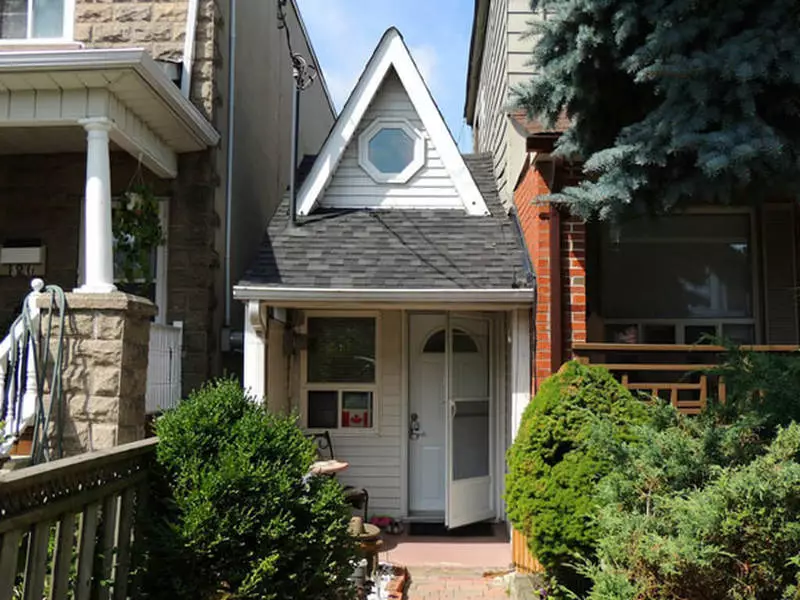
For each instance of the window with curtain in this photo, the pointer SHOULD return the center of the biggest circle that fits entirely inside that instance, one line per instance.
(677, 279)
(340, 377)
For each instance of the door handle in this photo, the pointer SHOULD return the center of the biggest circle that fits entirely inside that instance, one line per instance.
(414, 430)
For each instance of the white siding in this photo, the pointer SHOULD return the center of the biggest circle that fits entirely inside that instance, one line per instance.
(352, 187)
(375, 459)
(491, 123)
(504, 66)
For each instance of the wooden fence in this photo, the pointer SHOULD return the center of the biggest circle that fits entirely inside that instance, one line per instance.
(524, 561)
(67, 526)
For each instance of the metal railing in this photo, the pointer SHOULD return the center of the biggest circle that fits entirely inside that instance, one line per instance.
(164, 367)
(67, 526)
(31, 361)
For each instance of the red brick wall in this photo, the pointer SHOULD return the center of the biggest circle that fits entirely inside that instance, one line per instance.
(556, 243)
(573, 257)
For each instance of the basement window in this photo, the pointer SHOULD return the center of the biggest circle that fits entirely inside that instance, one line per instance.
(36, 19)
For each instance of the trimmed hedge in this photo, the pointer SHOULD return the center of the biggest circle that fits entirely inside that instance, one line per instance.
(235, 514)
(554, 470)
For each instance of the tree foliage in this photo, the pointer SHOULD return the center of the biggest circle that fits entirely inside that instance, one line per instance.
(671, 101)
(234, 512)
(553, 471)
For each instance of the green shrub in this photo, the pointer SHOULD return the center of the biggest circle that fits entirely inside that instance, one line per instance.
(553, 467)
(684, 514)
(764, 385)
(235, 513)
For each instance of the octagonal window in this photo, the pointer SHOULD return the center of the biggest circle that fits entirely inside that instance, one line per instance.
(391, 150)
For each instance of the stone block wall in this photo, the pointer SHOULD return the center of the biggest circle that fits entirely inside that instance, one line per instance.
(104, 378)
(159, 26)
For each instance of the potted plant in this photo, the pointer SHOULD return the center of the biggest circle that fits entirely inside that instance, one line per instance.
(137, 233)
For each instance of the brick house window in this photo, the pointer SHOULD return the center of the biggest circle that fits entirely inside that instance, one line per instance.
(36, 19)
(678, 278)
(340, 376)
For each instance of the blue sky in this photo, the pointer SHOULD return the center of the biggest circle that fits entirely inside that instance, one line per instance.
(345, 32)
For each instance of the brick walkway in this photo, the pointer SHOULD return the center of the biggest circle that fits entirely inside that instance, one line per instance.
(432, 583)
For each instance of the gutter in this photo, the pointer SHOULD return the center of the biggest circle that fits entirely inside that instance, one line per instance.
(450, 296)
(188, 48)
(229, 165)
(136, 59)
(475, 58)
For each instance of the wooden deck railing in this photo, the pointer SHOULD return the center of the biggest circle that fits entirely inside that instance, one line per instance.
(677, 373)
(66, 527)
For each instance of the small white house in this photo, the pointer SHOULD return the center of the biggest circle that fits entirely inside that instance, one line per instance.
(394, 309)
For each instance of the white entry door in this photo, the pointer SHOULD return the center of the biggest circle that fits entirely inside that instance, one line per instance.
(449, 418)
(469, 479)
(427, 447)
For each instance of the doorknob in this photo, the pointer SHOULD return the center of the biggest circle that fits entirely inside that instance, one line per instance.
(414, 431)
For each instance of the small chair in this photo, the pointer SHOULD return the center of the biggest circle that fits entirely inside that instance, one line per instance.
(358, 498)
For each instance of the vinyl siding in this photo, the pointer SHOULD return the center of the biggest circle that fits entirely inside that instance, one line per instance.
(375, 459)
(505, 65)
(491, 123)
(352, 187)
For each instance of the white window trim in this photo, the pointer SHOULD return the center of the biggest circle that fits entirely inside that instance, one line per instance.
(375, 387)
(162, 256)
(68, 29)
(413, 167)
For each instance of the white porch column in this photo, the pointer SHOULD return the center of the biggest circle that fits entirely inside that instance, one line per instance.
(255, 351)
(520, 367)
(98, 257)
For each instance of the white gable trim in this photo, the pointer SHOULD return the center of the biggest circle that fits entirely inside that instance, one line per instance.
(391, 52)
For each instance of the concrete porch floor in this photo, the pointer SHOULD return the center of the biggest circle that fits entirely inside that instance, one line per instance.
(476, 553)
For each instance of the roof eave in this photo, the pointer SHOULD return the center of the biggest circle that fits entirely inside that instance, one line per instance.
(475, 58)
(249, 291)
(136, 59)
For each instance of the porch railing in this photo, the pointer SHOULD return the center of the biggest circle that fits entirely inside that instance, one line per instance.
(164, 367)
(29, 363)
(67, 526)
(675, 372)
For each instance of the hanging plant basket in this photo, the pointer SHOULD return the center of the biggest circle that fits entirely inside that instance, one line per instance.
(137, 233)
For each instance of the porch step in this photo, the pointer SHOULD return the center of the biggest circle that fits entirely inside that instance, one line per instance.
(23, 446)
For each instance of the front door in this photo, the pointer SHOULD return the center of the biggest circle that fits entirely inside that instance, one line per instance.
(449, 418)
(427, 447)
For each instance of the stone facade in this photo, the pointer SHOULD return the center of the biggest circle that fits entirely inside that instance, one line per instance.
(104, 380)
(158, 26)
(193, 272)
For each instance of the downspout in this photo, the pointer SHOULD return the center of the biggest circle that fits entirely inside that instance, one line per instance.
(188, 47)
(293, 157)
(556, 317)
(229, 157)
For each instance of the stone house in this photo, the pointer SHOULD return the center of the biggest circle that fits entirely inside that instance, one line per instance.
(192, 98)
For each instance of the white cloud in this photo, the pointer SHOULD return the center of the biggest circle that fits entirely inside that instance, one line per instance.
(427, 59)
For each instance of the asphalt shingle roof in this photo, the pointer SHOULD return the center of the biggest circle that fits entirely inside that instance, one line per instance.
(395, 249)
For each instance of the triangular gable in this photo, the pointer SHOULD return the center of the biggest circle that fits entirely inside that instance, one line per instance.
(391, 52)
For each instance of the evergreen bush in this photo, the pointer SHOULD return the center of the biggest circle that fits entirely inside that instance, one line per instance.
(686, 514)
(235, 514)
(553, 467)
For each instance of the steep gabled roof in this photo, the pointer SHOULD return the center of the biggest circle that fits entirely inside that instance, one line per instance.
(399, 249)
(391, 53)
